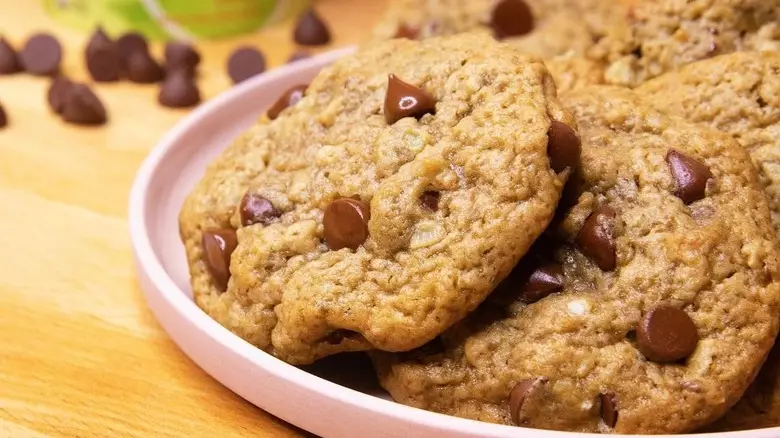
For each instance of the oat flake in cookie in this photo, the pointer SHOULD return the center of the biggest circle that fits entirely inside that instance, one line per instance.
(640, 311)
(359, 229)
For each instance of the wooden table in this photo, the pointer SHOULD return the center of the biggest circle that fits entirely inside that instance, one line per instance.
(80, 354)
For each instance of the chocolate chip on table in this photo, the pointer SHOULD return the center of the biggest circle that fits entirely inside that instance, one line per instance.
(690, 176)
(346, 223)
(563, 147)
(82, 107)
(297, 56)
(545, 280)
(9, 59)
(406, 31)
(181, 56)
(141, 68)
(287, 99)
(609, 411)
(405, 100)
(41, 55)
(128, 44)
(244, 63)
(596, 238)
(520, 393)
(3, 117)
(218, 246)
(511, 18)
(179, 90)
(102, 57)
(57, 92)
(311, 30)
(666, 334)
(430, 200)
(255, 209)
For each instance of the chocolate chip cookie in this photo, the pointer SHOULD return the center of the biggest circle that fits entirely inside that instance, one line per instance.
(382, 203)
(573, 73)
(647, 308)
(658, 36)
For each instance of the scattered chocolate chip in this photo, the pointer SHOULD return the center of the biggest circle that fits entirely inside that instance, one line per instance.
(3, 117)
(430, 200)
(405, 100)
(141, 68)
(9, 59)
(41, 55)
(218, 246)
(311, 30)
(609, 411)
(287, 99)
(82, 106)
(181, 56)
(244, 63)
(596, 238)
(58, 90)
(563, 147)
(128, 44)
(511, 18)
(346, 223)
(179, 90)
(102, 57)
(545, 280)
(297, 56)
(666, 334)
(255, 209)
(520, 393)
(690, 176)
(406, 31)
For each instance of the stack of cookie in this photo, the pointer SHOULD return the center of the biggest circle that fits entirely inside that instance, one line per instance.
(605, 262)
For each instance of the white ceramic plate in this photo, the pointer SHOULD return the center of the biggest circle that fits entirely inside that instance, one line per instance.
(335, 398)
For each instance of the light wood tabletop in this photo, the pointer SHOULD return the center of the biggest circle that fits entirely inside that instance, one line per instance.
(80, 354)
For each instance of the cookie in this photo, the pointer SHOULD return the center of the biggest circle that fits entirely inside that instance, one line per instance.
(738, 94)
(382, 204)
(648, 307)
(545, 28)
(658, 36)
(573, 73)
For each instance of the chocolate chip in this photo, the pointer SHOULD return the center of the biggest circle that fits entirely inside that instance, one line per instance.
(3, 117)
(297, 56)
(346, 223)
(563, 147)
(545, 280)
(181, 56)
(141, 68)
(511, 18)
(82, 106)
(609, 412)
(430, 200)
(520, 393)
(9, 59)
(666, 334)
(102, 57)
(406, 31)
(338, 336)
(311, 30)
(218, 246)
(287, 99)
(244, 63)
(405, 100)
(179, 90)
(41, 55)
(58, 90)
(690, 176)
(127, 45)
(596, 238)
(255, 209)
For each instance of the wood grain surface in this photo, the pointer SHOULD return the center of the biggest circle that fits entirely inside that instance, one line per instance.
(80, 354)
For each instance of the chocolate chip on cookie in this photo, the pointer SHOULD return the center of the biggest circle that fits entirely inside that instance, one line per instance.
(9, 59)
(405, 100)
(520, 393)
(564, 147)
(406, 31)
(690, 176)
(666, 334)
(255, 209)
(511, 18)
(545, 280)
(311, 30)
(609, 410)
(430, 200)
(218, 246)
(287, 99)
(596, 238)
(41, 55)
(346, 223)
